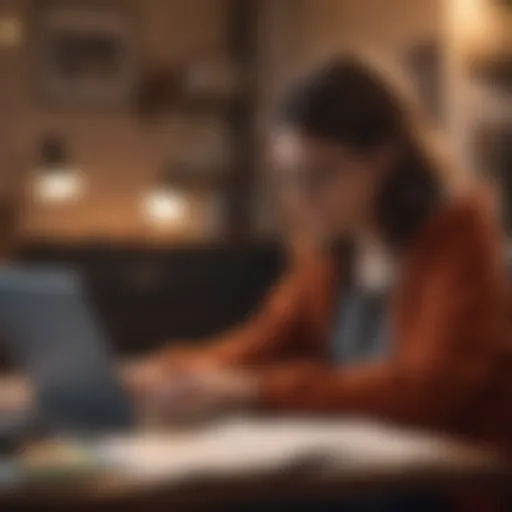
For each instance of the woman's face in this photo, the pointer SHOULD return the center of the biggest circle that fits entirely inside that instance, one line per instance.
(326, 188)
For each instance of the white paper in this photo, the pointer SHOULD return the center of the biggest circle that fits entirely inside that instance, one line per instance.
(248, 446)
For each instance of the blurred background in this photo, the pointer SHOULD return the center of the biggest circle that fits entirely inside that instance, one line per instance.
(132, 136)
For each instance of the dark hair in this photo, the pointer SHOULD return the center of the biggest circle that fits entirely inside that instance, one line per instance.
(349, 102)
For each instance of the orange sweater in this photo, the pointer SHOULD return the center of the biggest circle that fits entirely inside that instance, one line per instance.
(451, 361)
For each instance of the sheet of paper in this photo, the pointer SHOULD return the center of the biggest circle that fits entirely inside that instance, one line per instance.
(223, 449)
(248, 446)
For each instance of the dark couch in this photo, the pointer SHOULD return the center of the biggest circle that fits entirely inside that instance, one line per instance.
(145, 296)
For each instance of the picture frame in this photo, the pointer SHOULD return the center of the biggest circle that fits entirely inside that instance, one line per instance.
(84, 53)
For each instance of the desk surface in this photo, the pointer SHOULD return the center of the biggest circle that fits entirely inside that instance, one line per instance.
(363, 456)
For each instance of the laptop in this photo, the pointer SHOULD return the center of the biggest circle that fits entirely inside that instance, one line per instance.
(56, 340)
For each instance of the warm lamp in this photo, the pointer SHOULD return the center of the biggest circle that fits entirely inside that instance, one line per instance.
(56, 181)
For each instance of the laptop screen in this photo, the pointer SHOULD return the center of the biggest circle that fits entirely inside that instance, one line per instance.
(53, 335)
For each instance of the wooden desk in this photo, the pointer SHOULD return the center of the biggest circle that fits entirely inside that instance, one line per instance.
(451, 466)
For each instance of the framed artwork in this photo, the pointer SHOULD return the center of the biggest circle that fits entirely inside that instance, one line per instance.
(84, 52)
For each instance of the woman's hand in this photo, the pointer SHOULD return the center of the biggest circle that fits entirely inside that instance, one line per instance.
(200, 394)
(148, 375)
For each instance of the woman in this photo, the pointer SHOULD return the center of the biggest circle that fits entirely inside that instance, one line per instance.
(399, 309)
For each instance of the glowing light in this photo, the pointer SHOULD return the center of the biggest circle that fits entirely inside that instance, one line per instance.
(165, 206)
(11, 31)
(471, 23)
(58, 185)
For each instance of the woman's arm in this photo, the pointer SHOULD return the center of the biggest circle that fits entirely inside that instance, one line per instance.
(446, 356)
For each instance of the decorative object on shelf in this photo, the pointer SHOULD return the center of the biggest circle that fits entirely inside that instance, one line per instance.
(57, 181)
(84, 52)
(158, 93)
(205, 85)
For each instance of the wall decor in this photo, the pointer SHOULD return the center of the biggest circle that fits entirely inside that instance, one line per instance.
(84, 52)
